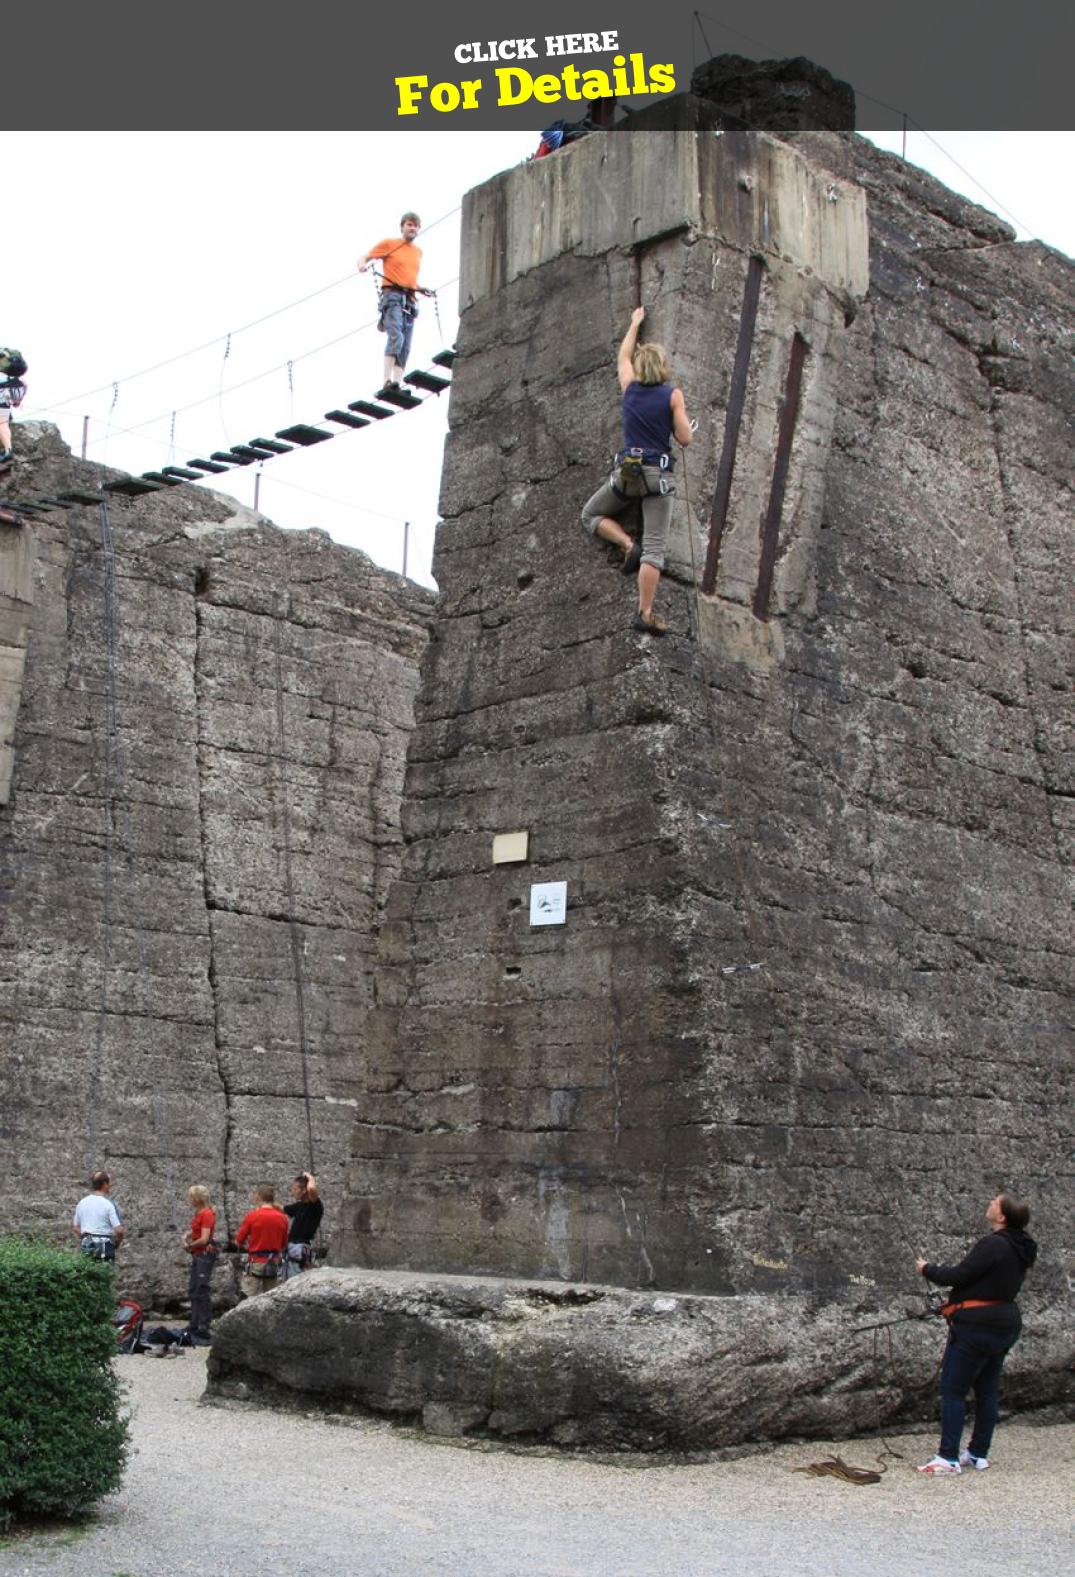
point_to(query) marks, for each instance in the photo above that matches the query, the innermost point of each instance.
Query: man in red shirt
(400, 261)
(263, 1233)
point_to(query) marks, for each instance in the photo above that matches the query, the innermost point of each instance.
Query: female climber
(653, 413)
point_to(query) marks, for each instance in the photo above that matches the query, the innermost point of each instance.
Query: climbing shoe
(650, 626)
(979, 1464)
(937, 1466)
(632, 558)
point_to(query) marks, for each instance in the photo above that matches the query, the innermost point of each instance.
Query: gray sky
(137, 247)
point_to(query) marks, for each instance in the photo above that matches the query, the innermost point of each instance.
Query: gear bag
(127, 1322)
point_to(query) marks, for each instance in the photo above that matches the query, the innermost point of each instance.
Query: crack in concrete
(211, 968)
(1010, 518)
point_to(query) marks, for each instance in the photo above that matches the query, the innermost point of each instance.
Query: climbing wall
(202, 825)
(807, 988)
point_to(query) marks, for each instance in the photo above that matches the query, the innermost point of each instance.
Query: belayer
(262, 1235)
(653, 412)
(983, 1326)
(97, 1223)
(304, 1213)
(200, 1243)
(400, 262)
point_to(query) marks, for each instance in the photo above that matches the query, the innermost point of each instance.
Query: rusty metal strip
(770, 531)
(733, 421)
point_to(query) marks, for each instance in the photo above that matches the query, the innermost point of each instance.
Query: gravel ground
(238, 1491)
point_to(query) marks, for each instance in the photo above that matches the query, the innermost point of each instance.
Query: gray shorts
(656, 511)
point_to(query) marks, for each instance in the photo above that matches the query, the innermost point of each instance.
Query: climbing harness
(263, 1267)
(98, 1245)
(948, 1309)
(12, 393)
(629, 475)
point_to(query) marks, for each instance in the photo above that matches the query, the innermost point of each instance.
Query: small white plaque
(548, 903)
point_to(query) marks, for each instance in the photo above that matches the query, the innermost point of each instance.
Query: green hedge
(63, 1434)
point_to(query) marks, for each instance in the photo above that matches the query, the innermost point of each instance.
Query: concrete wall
(809, 987)
(16, 609)
(750, 191)
(203, 823)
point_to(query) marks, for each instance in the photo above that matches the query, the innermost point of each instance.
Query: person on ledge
(12, 390)
(983, 1326)
(263, 1234)
(304, 1212)
(653, 412)
(400, 262)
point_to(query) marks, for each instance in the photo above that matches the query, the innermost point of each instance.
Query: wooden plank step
(346, 419)
(429, 381)
(369, 409)
(403, 398)
(272, 444)
(133, 486)
(304, 435)
(79, 495)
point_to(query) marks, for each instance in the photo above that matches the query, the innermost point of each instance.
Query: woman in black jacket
(983, 1326)
(304, 1212)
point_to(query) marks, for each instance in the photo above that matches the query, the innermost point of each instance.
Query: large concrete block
(203, 826)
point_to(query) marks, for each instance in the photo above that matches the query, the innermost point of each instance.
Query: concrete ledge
(602, 1367)
(752, 192)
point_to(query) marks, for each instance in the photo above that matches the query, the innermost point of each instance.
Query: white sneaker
(938, 1465)
(978, 1463)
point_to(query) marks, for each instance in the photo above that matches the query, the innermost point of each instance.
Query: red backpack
(127, 1322)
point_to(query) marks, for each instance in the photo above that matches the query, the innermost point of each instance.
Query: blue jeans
(397, 321)
(973, 1359)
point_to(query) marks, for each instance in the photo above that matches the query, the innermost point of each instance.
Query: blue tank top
(647, 419)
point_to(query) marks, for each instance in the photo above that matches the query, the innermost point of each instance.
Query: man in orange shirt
(400, 261)
(263, 1233)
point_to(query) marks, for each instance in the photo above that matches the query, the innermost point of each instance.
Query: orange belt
(948, 1309)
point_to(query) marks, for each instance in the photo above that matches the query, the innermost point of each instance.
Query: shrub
(63, 1435)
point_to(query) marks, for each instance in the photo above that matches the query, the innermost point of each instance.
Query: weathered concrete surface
(577, 1365)
(16, 607)
(749, 191)
(776, 95)
(202, 829)
(863, 792)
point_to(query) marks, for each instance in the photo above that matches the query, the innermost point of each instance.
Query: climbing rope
(289, 879)
(756, 942)
(753, 929)
(108, 787)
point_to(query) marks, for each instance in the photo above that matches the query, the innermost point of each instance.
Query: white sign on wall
(548, 903)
